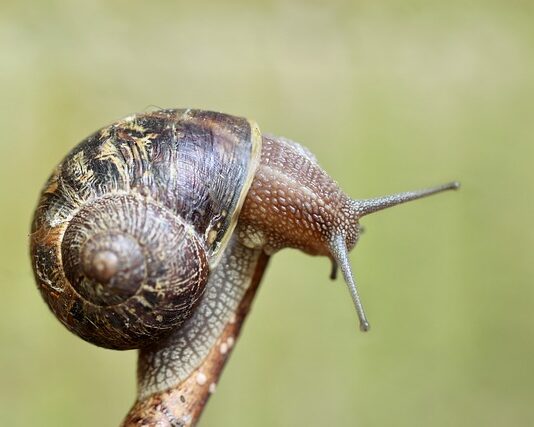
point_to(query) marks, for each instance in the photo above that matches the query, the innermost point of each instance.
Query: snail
(154, 232)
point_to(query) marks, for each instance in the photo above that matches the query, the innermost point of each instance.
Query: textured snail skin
(293, 203)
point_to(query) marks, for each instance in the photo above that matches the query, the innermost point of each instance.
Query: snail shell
(131, 222)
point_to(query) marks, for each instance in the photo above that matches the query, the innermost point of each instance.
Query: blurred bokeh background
(390, 96)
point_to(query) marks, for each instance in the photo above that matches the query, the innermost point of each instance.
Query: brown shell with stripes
(130, 223)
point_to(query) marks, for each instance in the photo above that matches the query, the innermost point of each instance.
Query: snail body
(151, 231)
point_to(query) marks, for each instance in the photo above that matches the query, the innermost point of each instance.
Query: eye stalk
(368, 206)
(341, 256)
(360, 208)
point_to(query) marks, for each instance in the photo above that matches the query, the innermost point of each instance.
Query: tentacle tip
(365, 326)
(333, 272)
(455, 185)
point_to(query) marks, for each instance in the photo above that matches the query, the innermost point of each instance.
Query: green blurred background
(390, 96)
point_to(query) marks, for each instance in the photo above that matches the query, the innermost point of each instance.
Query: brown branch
(183, 404)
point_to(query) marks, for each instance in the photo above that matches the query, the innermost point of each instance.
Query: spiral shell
(131, 222)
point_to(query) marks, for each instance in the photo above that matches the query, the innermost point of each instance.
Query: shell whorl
(136, 271)
(131, 221)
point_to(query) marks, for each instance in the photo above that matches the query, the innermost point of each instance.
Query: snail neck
(292, 202)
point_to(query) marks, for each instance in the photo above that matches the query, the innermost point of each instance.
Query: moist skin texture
(171, 360)
(293, 203)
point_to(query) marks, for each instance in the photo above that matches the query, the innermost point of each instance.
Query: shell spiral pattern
(130, 223)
